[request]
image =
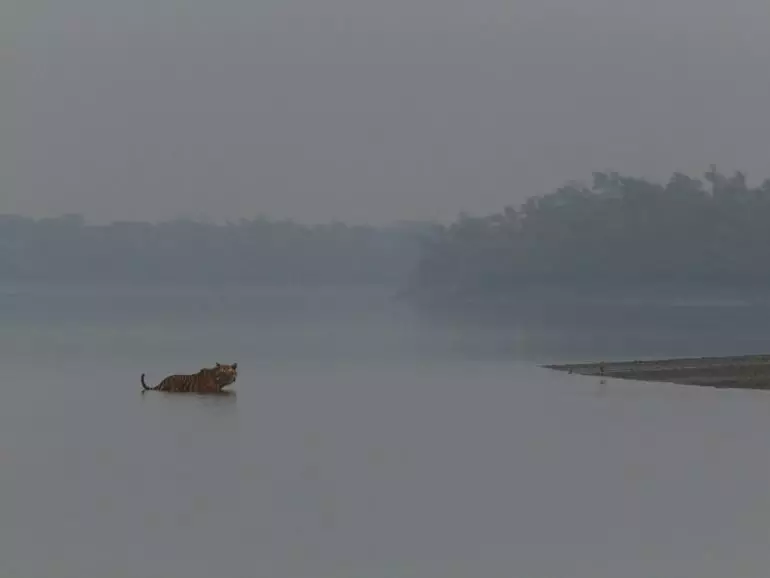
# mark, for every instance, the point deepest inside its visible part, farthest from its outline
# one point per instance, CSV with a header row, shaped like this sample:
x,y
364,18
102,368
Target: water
x,y
367,441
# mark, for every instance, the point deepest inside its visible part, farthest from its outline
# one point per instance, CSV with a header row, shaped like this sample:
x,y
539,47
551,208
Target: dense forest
x,y
258,251
619,232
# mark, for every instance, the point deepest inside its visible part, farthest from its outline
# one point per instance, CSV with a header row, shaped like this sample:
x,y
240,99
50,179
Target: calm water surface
x,y
366,441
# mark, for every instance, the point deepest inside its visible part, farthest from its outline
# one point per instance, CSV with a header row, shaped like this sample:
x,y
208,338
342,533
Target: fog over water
x,y
367,439
213,169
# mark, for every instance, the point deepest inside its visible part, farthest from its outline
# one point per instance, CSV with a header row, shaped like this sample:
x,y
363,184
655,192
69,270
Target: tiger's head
x,y
226,374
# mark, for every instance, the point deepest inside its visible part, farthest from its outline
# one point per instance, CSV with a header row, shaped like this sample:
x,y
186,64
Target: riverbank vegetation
x,y
619,231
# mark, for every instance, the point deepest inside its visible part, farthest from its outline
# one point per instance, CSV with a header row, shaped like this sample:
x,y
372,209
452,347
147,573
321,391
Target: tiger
x,y
207,380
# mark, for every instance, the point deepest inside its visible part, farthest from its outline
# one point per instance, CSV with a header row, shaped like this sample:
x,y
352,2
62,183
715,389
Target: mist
x,y
389,214
367,112
260,251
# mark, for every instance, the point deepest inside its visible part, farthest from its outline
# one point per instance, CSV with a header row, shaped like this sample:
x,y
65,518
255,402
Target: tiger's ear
x,y
219,364
235,365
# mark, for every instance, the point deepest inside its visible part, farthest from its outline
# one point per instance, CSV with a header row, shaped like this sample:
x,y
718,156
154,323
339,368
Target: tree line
x,y
619,231
259,251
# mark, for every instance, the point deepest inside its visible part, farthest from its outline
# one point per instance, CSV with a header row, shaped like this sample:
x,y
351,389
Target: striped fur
x,y
207,380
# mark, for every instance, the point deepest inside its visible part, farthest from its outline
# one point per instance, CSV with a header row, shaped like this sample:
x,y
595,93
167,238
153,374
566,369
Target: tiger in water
x,y
207,380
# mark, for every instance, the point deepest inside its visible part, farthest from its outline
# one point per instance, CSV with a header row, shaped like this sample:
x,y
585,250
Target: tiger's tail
x,y
144,385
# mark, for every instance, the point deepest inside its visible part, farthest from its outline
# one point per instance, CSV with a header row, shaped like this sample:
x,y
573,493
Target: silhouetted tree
x,y
619,230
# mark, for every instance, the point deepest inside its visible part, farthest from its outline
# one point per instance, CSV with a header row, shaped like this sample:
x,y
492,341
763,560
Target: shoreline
x,y
732,372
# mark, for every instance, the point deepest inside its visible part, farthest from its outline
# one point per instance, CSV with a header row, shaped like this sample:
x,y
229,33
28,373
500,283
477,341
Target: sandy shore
x,y
743,372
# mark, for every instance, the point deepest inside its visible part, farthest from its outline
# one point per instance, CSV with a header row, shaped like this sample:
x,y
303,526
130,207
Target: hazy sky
x,y
367,110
